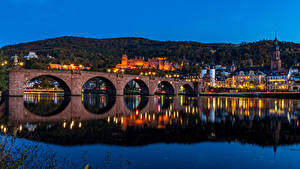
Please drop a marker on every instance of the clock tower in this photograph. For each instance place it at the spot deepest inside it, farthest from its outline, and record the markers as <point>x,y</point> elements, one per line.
<point>275,58</point>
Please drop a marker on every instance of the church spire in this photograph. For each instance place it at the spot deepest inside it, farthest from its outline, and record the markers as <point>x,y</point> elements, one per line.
<point>276,46</point>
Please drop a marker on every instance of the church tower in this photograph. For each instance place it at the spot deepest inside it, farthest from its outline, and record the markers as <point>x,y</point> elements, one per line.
<point>275,59</point>
<point>124,59</point>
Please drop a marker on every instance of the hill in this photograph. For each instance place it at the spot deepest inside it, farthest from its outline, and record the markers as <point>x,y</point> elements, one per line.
<point>106,53</point>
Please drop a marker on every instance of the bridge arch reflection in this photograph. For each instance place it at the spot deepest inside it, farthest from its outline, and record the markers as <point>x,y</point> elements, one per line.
<point>136,102</point>
<point>43,104</point>
<point>98,104</point>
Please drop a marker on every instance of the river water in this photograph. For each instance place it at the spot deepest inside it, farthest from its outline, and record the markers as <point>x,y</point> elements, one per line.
<point>158,131</point>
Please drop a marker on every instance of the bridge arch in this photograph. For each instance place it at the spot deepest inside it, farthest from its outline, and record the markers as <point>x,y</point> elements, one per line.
<point>144,89</point>
<point>62,83</point>
<point>100,85</point>
<point>164,87</point>
<point>186,89</point>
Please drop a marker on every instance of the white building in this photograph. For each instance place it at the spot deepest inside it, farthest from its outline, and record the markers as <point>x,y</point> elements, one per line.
<point>212,74</point>
<point>31,55</point>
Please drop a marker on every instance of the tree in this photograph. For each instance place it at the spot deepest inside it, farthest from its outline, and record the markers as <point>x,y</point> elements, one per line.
<point>3,73</point>
<point>45,84</point>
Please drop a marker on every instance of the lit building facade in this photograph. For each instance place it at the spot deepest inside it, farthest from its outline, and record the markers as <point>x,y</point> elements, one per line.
<point>252,78</point>
<point>294,81</point>
<point>278,80</point>
<point>159,63</point>
<point>67,67</point>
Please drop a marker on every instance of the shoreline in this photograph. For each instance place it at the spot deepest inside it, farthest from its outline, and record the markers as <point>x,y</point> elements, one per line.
<point>291,95</point>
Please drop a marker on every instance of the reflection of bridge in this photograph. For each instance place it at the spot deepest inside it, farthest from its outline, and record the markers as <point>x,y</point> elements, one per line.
<point>208,107</point>
<point>76,110</point>
<point>73,82</point>
<point>232,119</point>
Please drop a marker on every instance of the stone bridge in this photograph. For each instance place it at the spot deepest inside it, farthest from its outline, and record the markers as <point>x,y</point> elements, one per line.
<point>73,81</point>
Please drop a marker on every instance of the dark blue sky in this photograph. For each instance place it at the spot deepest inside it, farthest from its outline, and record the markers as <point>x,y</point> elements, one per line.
<point>232,21</point>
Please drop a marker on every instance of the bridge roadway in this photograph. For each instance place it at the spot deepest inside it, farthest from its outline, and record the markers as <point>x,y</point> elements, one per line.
<point>73,81</point>
<point>76,110</point>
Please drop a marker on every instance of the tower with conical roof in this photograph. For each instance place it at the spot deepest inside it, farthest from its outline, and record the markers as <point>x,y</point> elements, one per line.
<point>275,58</point>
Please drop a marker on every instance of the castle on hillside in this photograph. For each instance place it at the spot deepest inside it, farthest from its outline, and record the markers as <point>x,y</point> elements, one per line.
<point>158,63</point>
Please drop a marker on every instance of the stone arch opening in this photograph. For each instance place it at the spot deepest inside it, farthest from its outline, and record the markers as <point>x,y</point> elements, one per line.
<point>47,83</point>
<point>186,89</point>
<point>98,103</point>
<point>136,86</point>
<point>135,102</point>
<point>165,88</point>
<point>46,104</point>
<point>99,85</point>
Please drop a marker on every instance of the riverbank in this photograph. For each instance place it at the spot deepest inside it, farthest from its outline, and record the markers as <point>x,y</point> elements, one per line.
<point>292,95</point>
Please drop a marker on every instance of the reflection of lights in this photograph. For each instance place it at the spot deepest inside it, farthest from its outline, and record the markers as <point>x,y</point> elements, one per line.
<point>72,125</point>
<point>136,112</point>
<point>20,127</point>
<point>64,124</point>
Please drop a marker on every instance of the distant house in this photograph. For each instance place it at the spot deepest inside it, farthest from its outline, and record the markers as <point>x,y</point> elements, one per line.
<point>294,83</point>
<point>49,56</point>
<point>31,55</point>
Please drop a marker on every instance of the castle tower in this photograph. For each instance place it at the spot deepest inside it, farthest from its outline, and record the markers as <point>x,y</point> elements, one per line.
<point>275,58</point>
<point>124,59</point>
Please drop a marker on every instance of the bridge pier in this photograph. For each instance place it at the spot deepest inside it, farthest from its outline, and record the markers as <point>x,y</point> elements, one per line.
<point>15,83</point>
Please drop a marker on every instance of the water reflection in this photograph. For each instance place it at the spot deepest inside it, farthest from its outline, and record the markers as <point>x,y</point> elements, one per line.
<point>46,104</point>
<point>135,102</point>
<point>98,104</point>
<point>136,120</point>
